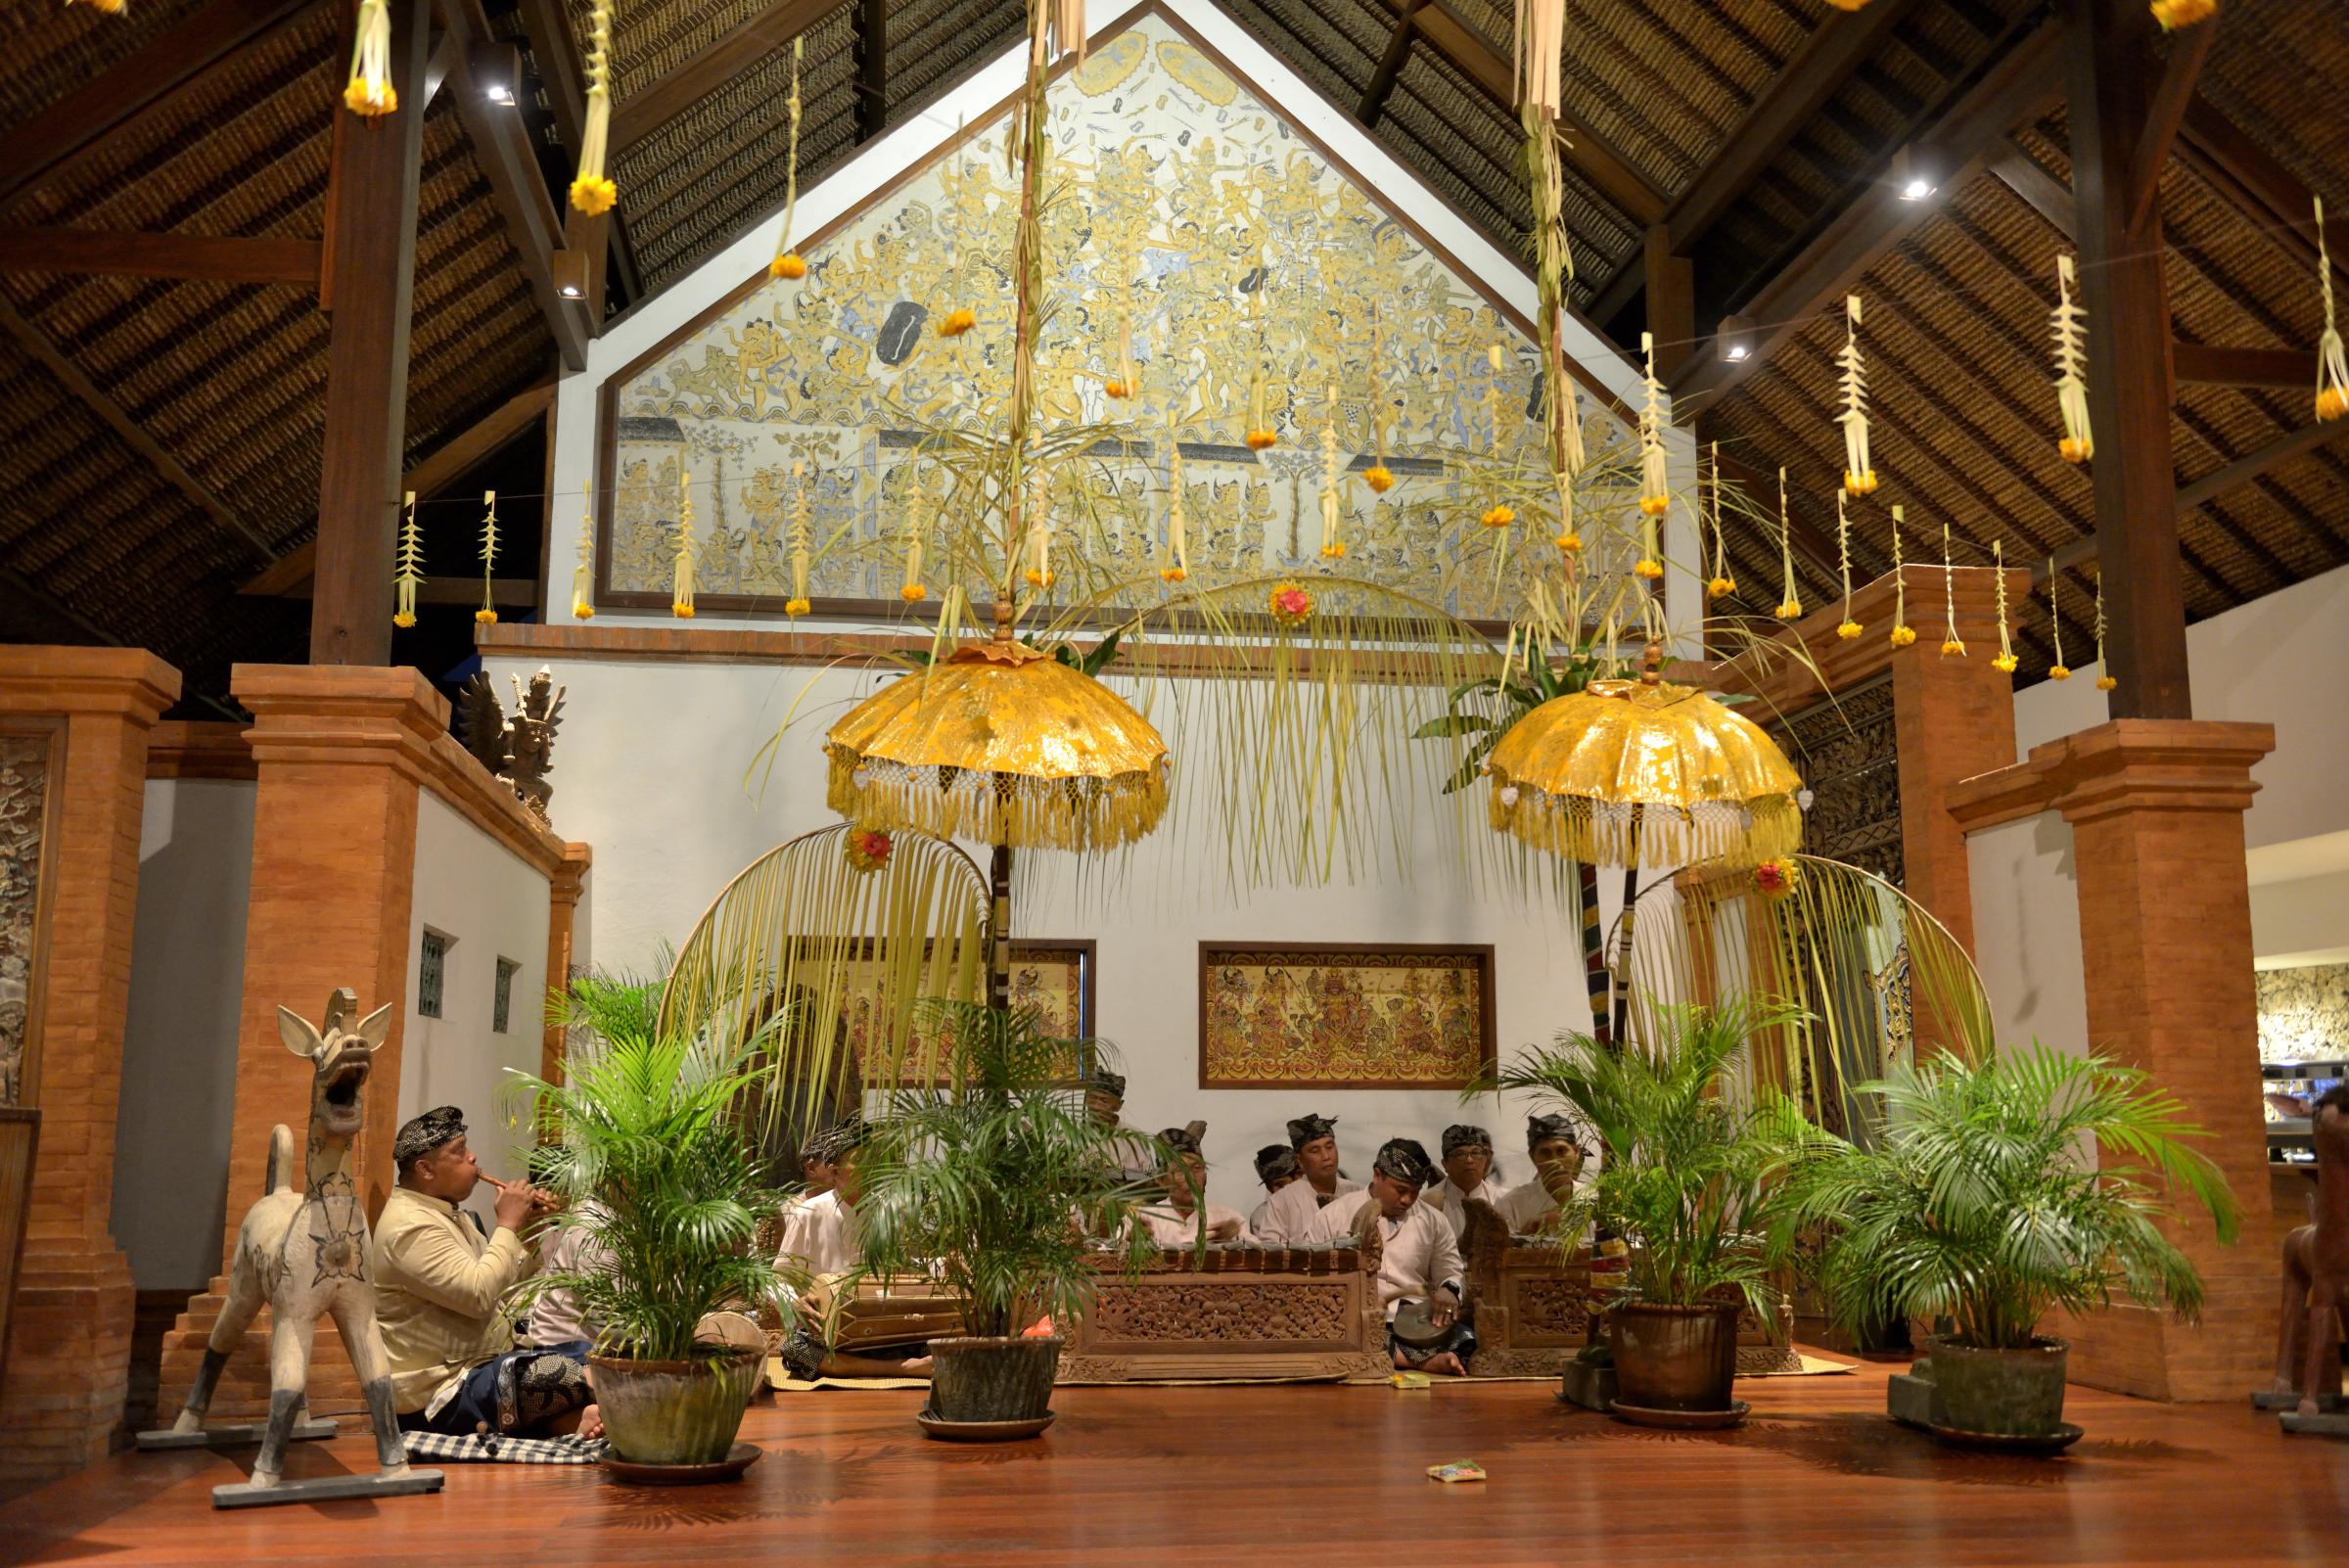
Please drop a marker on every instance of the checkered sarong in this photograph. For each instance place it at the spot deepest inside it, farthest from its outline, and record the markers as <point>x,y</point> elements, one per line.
<point>487,1447</point>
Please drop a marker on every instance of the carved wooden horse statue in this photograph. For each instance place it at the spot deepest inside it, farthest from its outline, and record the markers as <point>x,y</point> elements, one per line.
<point>2316,1268</point>
<point>303,1251</point>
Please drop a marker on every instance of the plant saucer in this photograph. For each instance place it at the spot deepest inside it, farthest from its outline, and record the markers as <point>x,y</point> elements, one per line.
<point>2029,1444</point>
<point>1680,1420</point>
<point>983,1431</point>
<point>738,1458</point>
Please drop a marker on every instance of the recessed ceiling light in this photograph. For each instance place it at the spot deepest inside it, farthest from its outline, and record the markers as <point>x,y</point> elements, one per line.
<point>1738,351</point>
<point>500,93</point>
<point>1916,190</point>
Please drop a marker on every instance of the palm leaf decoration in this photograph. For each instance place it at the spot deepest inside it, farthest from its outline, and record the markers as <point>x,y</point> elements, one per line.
<point>646,1143</point>
<point>996,1175</point>
<point>1979,1202</point>
<point>1690,1179</point>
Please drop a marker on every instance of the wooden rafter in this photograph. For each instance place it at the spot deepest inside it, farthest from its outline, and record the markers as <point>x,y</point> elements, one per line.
<point>2243,470</point>
<point>1390,66</point>
<point>2017,87</point>
<point>449,462</point>
<point>643,112</point>
<point>98,108</point>
<point>1589,153</point>
<point>2248,175</point>
<point>1839,46</point>
<point>872,68</point>
<point>115,417</point>
<point>2165,110</point>
<point>265,259</point>
<point>2049,196</point>
<point>501,146</point>
<point>2206,364</point>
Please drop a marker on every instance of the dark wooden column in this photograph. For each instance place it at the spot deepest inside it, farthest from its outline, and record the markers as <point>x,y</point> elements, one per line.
<point>370,270</point>
<point>1670,300</point>
<point>2111,78</point>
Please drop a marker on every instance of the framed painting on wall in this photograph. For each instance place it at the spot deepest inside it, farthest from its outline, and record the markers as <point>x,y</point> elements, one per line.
<point>1344,1015</point>
<point>1053,976</point>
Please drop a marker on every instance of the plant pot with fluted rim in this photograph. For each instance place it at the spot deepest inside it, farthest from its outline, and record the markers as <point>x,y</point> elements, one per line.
<point>676,1413</point>
<point>1673,1358</point>
<point>985,1382</point>
<point>2001,1393</point>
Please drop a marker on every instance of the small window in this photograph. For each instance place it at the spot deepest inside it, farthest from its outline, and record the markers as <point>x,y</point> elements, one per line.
<point>502,1009</point>
<point>432,974</point>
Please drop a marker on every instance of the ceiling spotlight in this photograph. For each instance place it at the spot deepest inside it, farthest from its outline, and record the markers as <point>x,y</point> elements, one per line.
<point>1736,335</point>
<point>1738,351</point>
<point>500,93</point>
<point>1916,190</point>
<point>570,271</point>
<point>496,70</point>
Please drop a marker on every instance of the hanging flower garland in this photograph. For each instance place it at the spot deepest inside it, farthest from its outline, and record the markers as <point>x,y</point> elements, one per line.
<point>1178,560</point>
<point>2105,680</point>
<point>1903,634</point>
<point>1379,476</point>
<point>2071,361</point>
<point>487,615</point>
<point>797,605</point>
<point>2332,367</point>
<point>583,576</point>
<point>591,191</point>
<point>1951,645</point>
<point>1847,629</point>
<point>2005,661</point>
<point>2176,14</point>
<point>2058,670</point>
<point>1260,434</point>
<point>1791,602</point>
<point>411,575</point>
<point>916,507</point>
<point>1859,467</point>
<point>680,593</point>
<point>1656,486</point>
<point>1722,583</point>
<point>1333,543</point>
<point>788,262</point>
<point>369,92</point>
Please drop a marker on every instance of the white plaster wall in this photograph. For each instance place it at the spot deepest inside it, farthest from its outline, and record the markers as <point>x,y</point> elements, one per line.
<point>179,1040</point>
<point>2282,660</point>
<point>653,774</point>
<point>472,887</point>
<point>2302,920</point>
<point>2027,932</point>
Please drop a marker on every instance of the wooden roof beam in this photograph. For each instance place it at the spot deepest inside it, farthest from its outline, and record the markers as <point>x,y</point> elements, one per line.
<point>1589,153</point>
<point>2208,364</point>
<point>104,104</point>
<point>546,27</point>
<point>2248,175</point>
<point>2015,88</point>
<point>1839,46</point>
<point>115,417</point>
<point>263,259</point>
<point>718,63</point>
<point>1390,66</point>
<point>872,68</point>
<point>2165,110</point>
<point>502,148</point>
<point>2049,196</point>
<point>2243,470</point>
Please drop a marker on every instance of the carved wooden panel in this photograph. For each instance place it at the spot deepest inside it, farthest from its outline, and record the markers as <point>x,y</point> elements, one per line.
<point>28,759</point>
<point>1294,1315</point>
<point>1551,1309</point>
<point>1847,754</point>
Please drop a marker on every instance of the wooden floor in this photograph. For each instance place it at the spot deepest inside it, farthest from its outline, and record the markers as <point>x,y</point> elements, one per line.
<point>1294,1475</point>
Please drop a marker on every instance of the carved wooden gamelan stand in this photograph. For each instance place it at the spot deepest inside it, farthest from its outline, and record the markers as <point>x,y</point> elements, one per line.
<point>303,1252</point>
<point>2316,1290</point>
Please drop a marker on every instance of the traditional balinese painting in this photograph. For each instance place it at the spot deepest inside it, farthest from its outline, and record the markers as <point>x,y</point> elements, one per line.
<point>1194,238</point>
<point>28,791</point>
<point>1382,1017</point>
<point>1054,977</point>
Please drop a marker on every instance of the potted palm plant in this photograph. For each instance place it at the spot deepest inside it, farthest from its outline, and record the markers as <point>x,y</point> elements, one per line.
<point>1688,1179</point>
<point>994,1179</point>
<point>1979,1203</point>
<point>663,1191</point>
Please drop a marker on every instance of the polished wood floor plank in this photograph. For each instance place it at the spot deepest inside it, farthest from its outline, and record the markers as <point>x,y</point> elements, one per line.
<point>1298,1475</point>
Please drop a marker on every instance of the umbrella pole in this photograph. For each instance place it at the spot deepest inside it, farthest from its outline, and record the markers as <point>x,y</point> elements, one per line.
<point>998,944</point>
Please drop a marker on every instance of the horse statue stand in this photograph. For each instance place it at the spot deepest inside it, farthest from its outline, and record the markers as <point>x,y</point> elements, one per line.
<point>2316,1290</point>
<point>302,1252</point>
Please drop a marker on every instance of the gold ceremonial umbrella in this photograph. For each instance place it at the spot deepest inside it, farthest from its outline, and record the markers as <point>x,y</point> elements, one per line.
<point>1632,772</point>
<point>1004,744</point>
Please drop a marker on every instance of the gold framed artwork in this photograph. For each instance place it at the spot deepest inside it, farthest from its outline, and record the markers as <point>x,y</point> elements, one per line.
<point>1055,977</point>
<point>1344,1015</point>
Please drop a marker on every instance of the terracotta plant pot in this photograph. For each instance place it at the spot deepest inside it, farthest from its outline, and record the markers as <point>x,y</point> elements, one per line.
<point>989,1381</point>
<point>1673,1358</point>
<point>674,1412</point>
<point>2001,1393</point>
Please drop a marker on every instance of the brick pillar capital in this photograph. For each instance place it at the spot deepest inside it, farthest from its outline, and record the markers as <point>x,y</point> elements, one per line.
<point>130,683</point>
<point>570,879</point>
<point>361,714</point>
<point>2138,764</point>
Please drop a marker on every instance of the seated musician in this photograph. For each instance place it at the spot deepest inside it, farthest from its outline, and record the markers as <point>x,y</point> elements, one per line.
<point>1289,1216</point>
<point>819,1240</point>
<point>1276,1168</point>
<point>817,1173</point>
<point>1105,1103</point>
<point>439,1286</point>
<point>1421,1261</point>
<point>1467,1173</point>
<point>1179,1220</point>
<point>1557,1154</point>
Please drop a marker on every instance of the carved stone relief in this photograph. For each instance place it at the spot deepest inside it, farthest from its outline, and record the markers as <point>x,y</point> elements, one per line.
<point>23,820</point>
<point>1847,754</point>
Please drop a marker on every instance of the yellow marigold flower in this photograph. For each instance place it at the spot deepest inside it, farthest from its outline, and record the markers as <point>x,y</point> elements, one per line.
<point>1902,637</point>
<point>1115,388</point>
<point>790,264</point>
<point>1335,550</point>
<point>1500,516</point>
<point>1042,580</point>
<point>2107,682</point>
<point>682,610</point>
<point>1719,586</point>
<point>1645,568</point>
<point>2176,14</point>
<point>1861,483</point>
<point>1259,439</point>
<point>2332,405</point>
<point>1571,543</point>
<point>1952,646</point>
<point>2076,448</point>
<point>370,97</point>
<point>593,197</point>
<point>1849,630</point>
<point>1791,610</point>
<point>954,323</point>
<point>484,617</point>
<point>913,592</point>
<point>1379,476</point>
<point>2059,671</point>
<point>112,8</point>
<point>404,619</point>
<point>2005,664</point>
<point>581,609</point>
<point>793,606</point>
<point>1654,505</point>
<point>1172,574</point>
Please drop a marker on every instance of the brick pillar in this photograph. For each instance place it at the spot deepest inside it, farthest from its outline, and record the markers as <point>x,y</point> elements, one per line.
<point>70,1355</point>
<point>1953,717</point>
<point>340,755</point>
<point>2156,812</point>
<point>562,891</point>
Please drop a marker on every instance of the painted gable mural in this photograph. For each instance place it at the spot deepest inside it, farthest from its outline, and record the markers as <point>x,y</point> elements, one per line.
<point>1185,217</point>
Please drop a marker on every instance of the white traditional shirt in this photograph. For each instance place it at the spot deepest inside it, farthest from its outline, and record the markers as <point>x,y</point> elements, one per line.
<point>1289,1212</point>
<point>1171,1227</point>
<point>1528,1209</point>
<point>557,1317</point>
<point>1451,1203</point>
<point>820,1237</point>
<point>1259,1217</point>
<point>1418,1251</point>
